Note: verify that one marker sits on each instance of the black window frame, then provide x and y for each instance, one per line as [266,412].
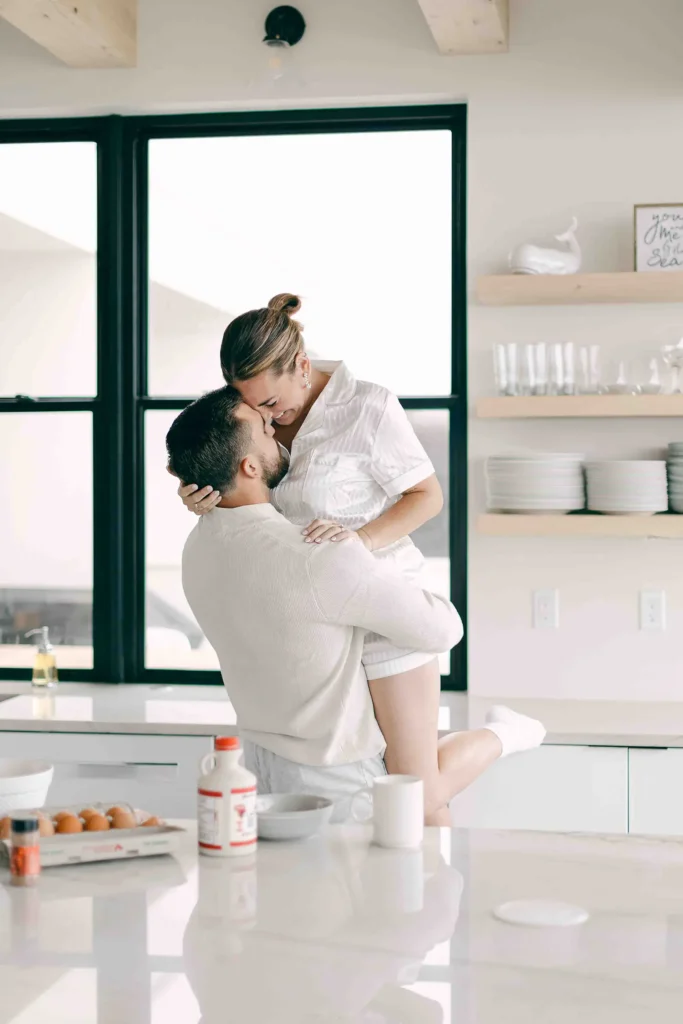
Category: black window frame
[118,410]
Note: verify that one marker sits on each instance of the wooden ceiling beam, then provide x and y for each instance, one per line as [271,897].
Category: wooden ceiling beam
[81,33]
[468,26]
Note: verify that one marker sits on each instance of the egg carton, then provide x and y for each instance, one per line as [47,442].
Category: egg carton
[112,844]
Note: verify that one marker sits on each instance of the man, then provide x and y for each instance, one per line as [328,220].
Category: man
[287,619]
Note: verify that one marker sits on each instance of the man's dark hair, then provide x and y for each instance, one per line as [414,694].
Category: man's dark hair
[206,442]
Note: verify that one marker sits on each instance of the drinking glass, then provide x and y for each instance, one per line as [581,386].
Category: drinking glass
[540,369]
[646,376]
[568,369]
[528,382]
[673,357]
[589,370]
[500,375]
[556,369]
[512,367]
[617,380]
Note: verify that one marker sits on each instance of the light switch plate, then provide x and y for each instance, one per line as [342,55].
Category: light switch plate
[546,609]
[652,610]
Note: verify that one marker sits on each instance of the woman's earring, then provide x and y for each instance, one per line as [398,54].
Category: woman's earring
[307,381]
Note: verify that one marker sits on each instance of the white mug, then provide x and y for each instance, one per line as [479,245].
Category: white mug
[397,811]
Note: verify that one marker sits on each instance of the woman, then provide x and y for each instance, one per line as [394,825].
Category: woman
[359,474]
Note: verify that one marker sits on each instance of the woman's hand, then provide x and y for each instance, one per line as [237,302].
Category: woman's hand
[197,501]
[326,529]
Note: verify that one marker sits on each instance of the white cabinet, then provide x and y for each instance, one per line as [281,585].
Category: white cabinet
[656,791]
[157,773]
[553,789]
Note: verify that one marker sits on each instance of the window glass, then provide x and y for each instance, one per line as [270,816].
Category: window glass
[46,531]
[359,224]
[48,242]
[172,637]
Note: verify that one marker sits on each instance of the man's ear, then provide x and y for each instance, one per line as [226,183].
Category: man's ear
[250,467]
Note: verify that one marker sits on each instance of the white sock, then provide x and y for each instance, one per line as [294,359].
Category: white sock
[516,732]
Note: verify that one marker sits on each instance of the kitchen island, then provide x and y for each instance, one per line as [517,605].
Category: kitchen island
[335,930]
[606,766]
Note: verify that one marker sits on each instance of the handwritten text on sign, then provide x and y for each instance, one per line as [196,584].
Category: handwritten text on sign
[659,237]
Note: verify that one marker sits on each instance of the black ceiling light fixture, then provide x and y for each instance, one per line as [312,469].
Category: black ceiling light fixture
[285,26]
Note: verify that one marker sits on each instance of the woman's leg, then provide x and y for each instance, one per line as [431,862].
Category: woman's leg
[407,711]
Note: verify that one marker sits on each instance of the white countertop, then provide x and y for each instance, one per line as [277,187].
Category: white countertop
[107,708]
[206,710]
[333,930]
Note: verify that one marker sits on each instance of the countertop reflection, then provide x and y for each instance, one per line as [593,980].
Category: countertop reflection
[336,930]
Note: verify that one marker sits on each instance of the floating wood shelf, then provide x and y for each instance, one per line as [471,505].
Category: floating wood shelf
[580,405]
[568,289]
[577,525]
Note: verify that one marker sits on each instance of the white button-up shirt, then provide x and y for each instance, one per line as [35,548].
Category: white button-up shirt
[354,456]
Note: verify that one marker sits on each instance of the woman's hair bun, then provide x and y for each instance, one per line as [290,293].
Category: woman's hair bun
[285,303]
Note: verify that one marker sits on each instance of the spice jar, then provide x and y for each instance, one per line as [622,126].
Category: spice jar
[25,851]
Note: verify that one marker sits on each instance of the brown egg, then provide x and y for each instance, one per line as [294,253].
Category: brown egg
[45,826]
[62,814]
[87,813]
[123,820]
[116,810]
[69,823]
[151,823]
[97,823]
[5,828]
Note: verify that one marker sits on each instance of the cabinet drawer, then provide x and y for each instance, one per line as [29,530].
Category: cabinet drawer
[655,786]
[158,773]
[553,789]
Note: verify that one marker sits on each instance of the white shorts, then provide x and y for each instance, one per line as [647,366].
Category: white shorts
[381,659]
[276,774]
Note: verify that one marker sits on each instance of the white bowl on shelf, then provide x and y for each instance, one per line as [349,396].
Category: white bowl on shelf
[24,785]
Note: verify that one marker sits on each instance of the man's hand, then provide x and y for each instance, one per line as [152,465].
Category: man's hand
[325,529]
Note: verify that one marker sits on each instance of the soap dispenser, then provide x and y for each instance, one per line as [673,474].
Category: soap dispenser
[45,665]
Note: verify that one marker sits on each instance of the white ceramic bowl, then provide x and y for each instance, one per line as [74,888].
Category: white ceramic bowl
[291,816]
[23,784]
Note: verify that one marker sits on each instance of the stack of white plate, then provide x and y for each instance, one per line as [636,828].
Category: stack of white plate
[535,483]
[675,467]
[627,487]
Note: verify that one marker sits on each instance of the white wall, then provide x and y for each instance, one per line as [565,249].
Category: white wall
[583,116]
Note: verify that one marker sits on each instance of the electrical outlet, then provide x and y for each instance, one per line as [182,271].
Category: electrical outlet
[546,609]
[652,609]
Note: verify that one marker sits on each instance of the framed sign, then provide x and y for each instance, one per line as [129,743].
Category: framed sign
[659,236]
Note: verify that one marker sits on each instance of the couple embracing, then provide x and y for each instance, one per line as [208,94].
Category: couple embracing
[303,577]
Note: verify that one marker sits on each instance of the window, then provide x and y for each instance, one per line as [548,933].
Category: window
[47,568]
[48,244]
[127,245]
[359,224]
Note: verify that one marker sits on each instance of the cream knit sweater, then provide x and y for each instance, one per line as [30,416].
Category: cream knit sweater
[287,621]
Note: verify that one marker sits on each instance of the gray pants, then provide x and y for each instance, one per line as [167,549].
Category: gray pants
[339,782]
